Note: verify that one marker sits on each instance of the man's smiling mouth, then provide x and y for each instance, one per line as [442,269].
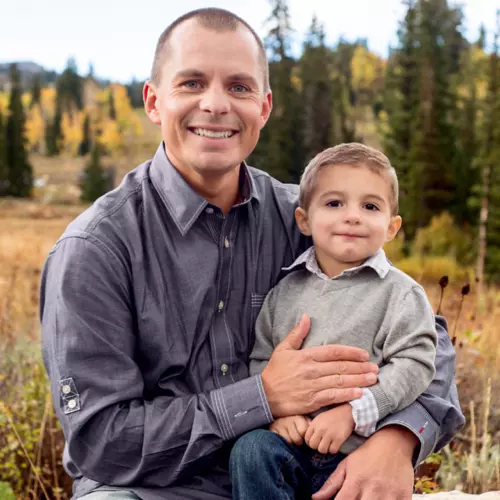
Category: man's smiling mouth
[213,134]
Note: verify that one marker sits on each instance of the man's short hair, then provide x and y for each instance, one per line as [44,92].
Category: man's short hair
[356,155]
[219,20]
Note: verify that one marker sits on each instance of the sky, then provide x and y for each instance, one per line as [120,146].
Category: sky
[119,36]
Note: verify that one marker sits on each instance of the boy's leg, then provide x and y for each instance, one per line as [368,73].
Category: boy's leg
[323,466]
[264,466]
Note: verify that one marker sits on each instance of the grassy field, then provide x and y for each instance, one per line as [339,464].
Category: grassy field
[30,438]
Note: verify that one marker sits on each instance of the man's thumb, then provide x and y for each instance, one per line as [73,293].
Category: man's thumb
[296,337]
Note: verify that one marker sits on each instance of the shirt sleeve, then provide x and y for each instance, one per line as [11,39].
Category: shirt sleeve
[435,417]
[114,435]
[409,349]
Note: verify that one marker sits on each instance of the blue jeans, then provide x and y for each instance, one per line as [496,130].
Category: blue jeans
[264,466]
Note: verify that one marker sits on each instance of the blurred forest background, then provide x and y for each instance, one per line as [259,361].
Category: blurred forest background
[433,106]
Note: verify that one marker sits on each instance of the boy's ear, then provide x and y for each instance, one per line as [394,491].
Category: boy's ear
[394,227]
[302,221]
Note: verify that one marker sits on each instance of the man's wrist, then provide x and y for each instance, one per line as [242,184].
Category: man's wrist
[397,438]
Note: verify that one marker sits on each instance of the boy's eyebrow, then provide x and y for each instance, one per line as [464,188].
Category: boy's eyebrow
[340,193]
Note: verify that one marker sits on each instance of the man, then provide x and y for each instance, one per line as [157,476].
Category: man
[149,299]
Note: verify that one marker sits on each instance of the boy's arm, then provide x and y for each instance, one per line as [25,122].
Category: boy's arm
[264,345]
[409,347]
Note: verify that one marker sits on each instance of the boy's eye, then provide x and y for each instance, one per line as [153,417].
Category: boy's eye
[371,206]
[334,203]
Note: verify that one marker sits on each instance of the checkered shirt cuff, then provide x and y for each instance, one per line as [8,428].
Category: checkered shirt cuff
[365,414]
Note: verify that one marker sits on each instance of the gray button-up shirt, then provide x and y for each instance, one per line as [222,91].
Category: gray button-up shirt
[148,302]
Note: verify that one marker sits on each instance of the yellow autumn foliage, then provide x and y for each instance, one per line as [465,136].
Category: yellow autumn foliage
[48,101]
[367,68]
[72,131]
[35,128]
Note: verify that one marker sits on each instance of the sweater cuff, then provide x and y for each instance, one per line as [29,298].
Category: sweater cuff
[241,407]
[384,404]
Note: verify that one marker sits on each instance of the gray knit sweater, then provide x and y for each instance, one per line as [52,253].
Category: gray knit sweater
[375,307]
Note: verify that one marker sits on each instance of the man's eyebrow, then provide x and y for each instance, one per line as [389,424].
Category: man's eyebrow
[189,73]
[244,77]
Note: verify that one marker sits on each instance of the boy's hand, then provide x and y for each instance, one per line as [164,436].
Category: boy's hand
[329,430]
[292,429]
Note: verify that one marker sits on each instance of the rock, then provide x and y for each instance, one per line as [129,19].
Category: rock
[458,495]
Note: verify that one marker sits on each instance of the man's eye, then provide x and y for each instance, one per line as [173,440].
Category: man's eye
[371,206]
[238,88]
[334,203]
[191,84]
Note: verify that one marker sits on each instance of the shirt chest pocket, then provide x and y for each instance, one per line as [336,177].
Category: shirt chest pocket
[257,299]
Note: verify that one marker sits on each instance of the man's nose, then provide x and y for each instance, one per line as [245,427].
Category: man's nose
[215,100]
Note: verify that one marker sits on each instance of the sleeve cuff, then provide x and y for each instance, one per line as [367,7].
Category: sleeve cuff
[416,419]
[241,407]
[365,414]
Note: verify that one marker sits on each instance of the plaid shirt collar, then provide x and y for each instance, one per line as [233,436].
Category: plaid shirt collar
[378,262]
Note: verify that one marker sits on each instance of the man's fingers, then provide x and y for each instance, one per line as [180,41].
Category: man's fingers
[344,367]
[336,382]
[337,352]
[296,337]
[332,484]
[335,396]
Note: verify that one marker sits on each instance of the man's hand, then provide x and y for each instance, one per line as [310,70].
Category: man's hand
[329,430]
[292,428]
[381,469]
[298,382]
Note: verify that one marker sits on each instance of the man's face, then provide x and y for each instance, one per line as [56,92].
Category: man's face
[210,102]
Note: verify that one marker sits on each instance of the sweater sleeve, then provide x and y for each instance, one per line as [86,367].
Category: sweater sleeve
[264,345]
[409,351]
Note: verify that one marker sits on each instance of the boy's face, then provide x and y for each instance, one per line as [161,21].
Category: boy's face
[349,217]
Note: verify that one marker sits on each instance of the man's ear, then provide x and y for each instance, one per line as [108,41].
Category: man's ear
[267,106]
[394,227]
[302,221]
[150,102]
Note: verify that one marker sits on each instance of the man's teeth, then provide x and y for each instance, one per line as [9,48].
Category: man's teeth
[212,133]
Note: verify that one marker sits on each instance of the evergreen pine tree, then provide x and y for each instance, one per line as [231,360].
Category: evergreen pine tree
[85,145]
[20,174]
[282,155]
[36,90]
[94,182]
[111,105]
[316,65]
[488,261]
[53,131]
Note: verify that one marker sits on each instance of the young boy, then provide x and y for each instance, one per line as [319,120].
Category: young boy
[348,203]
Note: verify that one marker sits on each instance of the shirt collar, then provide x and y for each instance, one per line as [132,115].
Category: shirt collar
[378,262]
[182,201]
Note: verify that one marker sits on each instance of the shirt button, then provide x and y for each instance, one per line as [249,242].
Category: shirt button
[209,210]
[71,404]
[224,368]
[66,389]
[221,305]
[226,243]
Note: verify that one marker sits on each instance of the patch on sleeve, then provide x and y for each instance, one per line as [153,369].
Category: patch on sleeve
[70,399]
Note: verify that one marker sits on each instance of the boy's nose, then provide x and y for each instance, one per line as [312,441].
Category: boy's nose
[352,217]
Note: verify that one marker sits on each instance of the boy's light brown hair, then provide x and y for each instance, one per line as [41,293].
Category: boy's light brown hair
[357,155]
